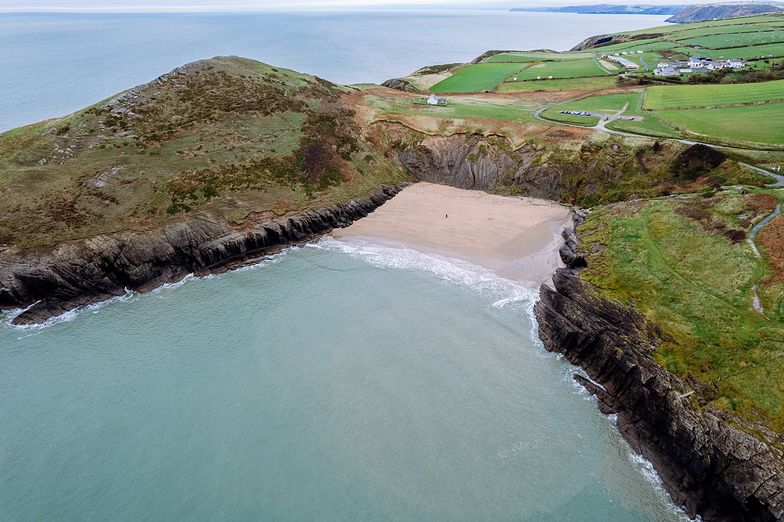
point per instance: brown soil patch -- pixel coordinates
(771, 238)
(760, 203)
(697, 211)
(626, 209)
(568, 133)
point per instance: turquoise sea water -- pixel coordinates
(341, 381)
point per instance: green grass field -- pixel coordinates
(745, 53)
(683, 96)
(607, 104)
(649, 126)
(561, 70)
(665, 257)
(648, 45)
(475, 78)
(537, 57)
(762, 124)
(721, 41)
(574, 84)
(728, 29)
(462, 110)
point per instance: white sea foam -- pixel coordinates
(648, 472)
(162, 292)
(453, 270)
(66, 317)
(266, 260)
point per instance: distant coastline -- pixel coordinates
(609, 9)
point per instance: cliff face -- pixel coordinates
(551, 171)
(86, 271)
(708, 463)
(700, 13)
(472, 162)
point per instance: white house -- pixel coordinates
(433, 100)
(662, 65)
(695, 61)
(639, 52)
(736, 63)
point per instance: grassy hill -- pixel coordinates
(228, 136)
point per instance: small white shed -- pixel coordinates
(433, 100)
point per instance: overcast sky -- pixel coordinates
(28, 6)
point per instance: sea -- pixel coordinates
(341, 380)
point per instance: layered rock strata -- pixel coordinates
(708, 462)
(53, 281)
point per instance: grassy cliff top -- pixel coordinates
(717, 295)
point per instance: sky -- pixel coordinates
(9, 6)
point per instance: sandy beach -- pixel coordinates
(514, 237)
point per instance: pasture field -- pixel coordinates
(746, 53)
(728, 29)
(723, 41)
(536, 57)
(649, 126)
(574, 84)
(762, 124)
(469, 110)
(561, 69)
(683, 96)
(606, 104)
(475, 78)
(652, 44)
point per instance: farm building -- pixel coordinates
(623, 61)
(695, 61)
(433, 100)
(666, 71)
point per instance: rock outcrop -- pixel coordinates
(708, 462)
(474, 162)
(400, 85)
(52, 281)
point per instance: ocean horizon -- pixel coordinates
(54, 64)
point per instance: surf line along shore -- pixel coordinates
(516, 238)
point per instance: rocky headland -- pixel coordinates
(71, 275)
(707, 462)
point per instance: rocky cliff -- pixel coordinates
(700, 13)
(563, 166)
(73, 274)
(709, 461)
(478, 163)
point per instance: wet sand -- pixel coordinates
(516, 238)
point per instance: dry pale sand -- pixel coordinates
(516, 238)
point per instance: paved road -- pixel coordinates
(765, 222)
(779, 177)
